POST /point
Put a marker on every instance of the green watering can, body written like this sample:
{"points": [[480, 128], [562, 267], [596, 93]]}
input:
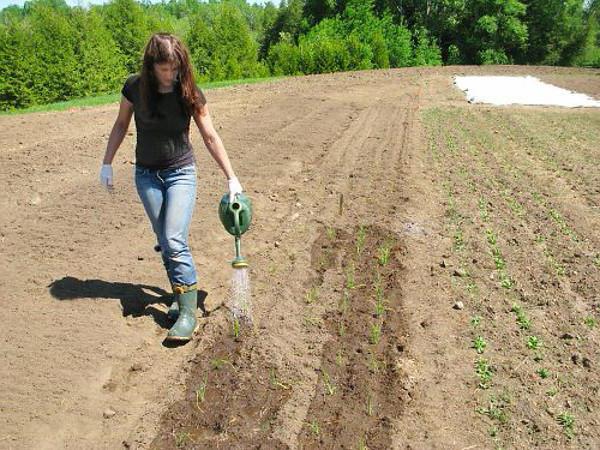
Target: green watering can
{"points": [[236, 217]]}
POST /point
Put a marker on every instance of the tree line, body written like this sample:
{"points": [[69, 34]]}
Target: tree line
{"points": [[51, 52]]}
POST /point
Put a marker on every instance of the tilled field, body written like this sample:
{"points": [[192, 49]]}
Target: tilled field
{"points": [[425, 274]]}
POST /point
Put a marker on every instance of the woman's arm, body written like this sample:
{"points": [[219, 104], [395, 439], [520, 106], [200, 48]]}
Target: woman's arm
{"points": [[119, 130], [213, 141]]}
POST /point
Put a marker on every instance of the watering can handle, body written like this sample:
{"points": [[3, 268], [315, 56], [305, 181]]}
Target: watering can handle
{"points": [[236, 219]]}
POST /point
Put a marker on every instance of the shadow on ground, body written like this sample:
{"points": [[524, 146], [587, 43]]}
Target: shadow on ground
{"points": [[136, 299]]}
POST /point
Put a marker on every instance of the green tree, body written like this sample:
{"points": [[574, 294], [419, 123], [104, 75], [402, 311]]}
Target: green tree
{"points": [[126, 21]]}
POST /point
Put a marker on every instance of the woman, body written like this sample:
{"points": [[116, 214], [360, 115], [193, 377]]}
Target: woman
{"points": [[163, 98]]}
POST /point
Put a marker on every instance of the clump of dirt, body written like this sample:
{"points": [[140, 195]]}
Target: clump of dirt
{"points": [[361, 386]]}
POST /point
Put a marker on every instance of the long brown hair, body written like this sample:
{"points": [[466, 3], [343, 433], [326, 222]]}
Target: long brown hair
{"points": [[167, 48]]}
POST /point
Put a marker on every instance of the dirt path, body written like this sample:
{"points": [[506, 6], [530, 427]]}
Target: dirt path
{"points": [[84, 365]]}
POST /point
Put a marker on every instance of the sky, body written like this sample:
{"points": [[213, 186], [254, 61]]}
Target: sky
{"points": [[5, 3]]}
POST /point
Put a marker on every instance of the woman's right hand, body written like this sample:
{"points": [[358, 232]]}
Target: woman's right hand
{"points": [[106, 176]]}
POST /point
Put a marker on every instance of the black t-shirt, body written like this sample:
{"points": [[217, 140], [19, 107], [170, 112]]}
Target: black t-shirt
{"points": [[163, 135]]}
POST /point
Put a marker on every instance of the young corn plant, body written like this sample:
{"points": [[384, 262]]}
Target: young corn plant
{"points": [[330, 387], [379, 300], [383, 253], [533, 343], [350, 279], [360, 240], [201, 392], [314, 427], [312, 295], [369, 405], [375, 334]]}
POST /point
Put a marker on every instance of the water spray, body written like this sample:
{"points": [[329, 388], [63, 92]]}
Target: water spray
{"points": [[236, 216]]}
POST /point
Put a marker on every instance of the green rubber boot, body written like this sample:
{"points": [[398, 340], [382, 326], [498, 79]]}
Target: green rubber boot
{"points": [[186, 323], [173, 312]]}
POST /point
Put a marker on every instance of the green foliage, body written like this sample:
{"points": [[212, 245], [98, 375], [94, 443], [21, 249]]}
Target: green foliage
{"points": [[426, 51]]}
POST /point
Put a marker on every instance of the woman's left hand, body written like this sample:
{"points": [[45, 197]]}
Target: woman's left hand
{"points": [[234, 188]]}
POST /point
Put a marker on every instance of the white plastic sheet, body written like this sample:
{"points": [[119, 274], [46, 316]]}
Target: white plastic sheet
{"points": [[503, 90]]}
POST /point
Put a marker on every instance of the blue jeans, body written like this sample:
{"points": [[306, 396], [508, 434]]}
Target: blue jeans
{"points": [[169, 196]]}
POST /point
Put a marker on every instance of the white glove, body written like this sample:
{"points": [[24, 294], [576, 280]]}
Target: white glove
{"points": [[234, 188], [106, 176]]}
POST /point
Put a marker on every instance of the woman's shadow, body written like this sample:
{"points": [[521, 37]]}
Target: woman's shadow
{"points": [[136, 299]]}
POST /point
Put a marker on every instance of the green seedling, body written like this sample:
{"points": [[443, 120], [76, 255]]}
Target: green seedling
{"points": [[459, 240], [341, 329], [312, 295], [383, 254], [344, 302], [339, 358], [350, 281], [331, 234], [484, 372], [590, 322], [182, 438], [330, 388], [375, 334], [490, 236], [379, 300], [567, 421], [374, 364], [475, 321], [522, 320], [543, 373], [360, 240], [201, 391], [533, 342], [479, 344], [564, 228], [362, 444], [496, 408], [236, 328], [312, 321], [597, 261], [217, 363], [505, 281], [275, 382], [314, 427], [369, 405], [552, 392]]}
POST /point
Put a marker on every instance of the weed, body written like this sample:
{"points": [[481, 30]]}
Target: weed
{"points": [[484, 372], [471, 286], [567, 421], [590, 322], [330, 388], [312, 295], [479, 344], [360, 240], [533, 343], [375, 334], [475, 321], [543, 373]]}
